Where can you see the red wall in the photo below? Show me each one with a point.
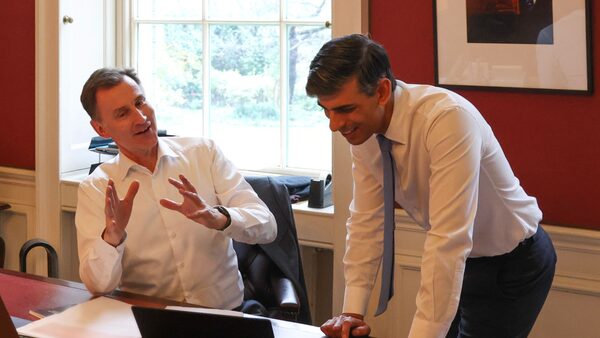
(17, 84)
(552, 141)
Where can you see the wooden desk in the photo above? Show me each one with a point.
(22, 292)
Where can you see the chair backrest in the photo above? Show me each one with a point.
(284, 251)
(51, 256)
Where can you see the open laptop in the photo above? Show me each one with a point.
(159, 323)
(7, 326)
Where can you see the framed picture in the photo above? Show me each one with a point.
(538, 45)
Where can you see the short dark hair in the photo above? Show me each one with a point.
(344, 57)
(103, 78)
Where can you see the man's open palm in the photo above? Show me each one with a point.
(118, 212)
(192, 206)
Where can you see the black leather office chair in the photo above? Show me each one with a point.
(272, 273)
(51, 255)
(265, 284)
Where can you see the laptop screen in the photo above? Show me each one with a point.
(7, 328)
(158, 323)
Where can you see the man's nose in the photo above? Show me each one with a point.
(140, 116)
(335, 121)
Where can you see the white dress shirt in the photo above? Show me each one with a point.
(454, 180)
(166, 254)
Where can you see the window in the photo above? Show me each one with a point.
(235, 71)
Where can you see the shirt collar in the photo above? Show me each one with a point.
(398, 129)
(126, 164)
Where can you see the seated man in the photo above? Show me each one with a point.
(147, 242)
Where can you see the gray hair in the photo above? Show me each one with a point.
(103, 78)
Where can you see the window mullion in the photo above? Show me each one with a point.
(205, 71)
(133, 31)
(283, 88)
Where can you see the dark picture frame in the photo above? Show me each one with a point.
(523, 45)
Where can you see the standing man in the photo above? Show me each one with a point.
(149, 242)
(487, 265)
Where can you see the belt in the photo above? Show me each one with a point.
(527, 241)
(522, 245)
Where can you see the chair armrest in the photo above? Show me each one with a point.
(285, 294)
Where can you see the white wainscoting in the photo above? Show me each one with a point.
(17, 224)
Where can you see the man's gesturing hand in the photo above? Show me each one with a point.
(193, 206)
(117, 212)
(344, 325)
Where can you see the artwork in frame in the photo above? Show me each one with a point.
(533, 45)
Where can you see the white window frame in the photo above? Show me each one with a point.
(126, 32)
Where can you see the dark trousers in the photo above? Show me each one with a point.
(502, 295)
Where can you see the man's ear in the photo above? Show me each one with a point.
(384, 89)
(99, 128)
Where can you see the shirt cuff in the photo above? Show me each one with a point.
(426, 329)
(103, 249)
(356, 300)
(236, 225)
(97, 270)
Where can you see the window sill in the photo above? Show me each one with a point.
(303, 208)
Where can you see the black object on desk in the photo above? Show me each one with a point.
(320, 193)
(159, 323)
(7, 326)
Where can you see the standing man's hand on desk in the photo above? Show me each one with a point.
(117, 212)
(344, 325)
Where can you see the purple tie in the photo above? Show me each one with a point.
(389, 183)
